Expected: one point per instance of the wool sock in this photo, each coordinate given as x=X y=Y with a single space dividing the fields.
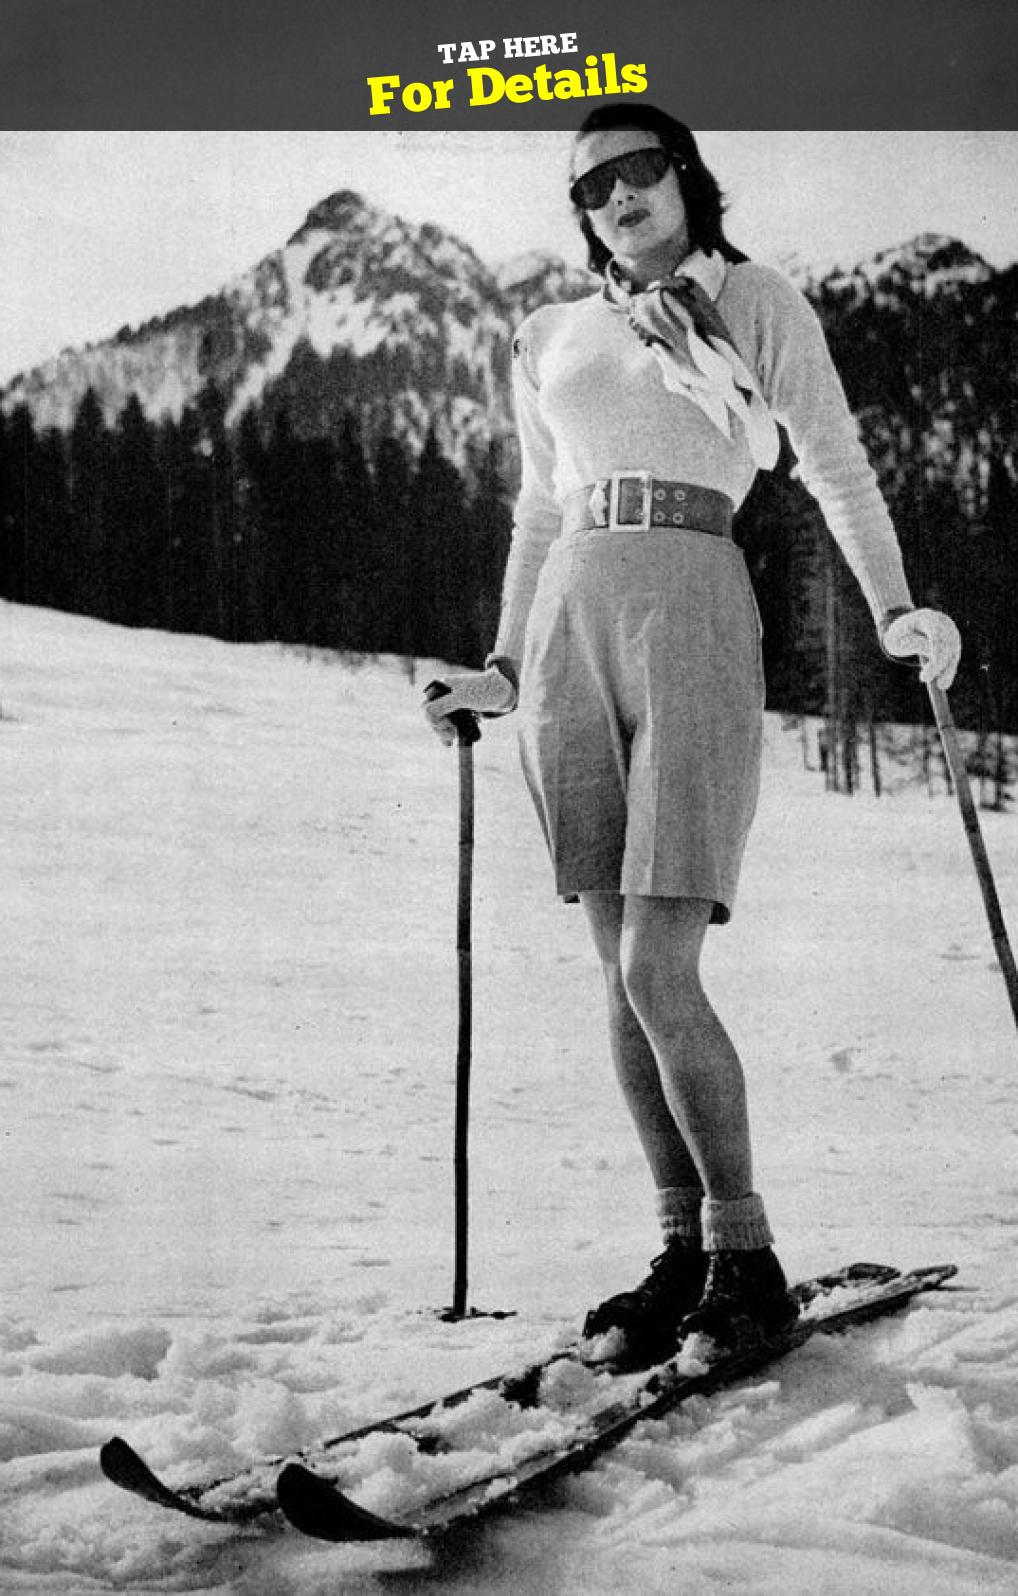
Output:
x=678 y=1209
x=739 y=1225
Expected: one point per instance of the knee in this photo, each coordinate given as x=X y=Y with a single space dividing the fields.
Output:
x=615 y=985
x=660 y=985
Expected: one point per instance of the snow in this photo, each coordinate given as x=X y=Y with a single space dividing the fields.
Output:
x=228 y=1029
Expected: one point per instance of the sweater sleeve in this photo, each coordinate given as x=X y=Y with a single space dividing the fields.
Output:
x=537 y=517
x=805 y=393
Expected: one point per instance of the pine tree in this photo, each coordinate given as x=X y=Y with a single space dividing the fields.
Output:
x=135 y=520
x=286 y=581
x=219 y=516
x=17 y=452
x=780 y=530
x=352 y=544
x=994 y=626
x=48 y=580
x=396 y=553
x=89 y=495
x=250 y=537
x=489 y=518
x=441 y=536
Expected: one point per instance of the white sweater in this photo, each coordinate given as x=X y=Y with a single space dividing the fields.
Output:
x=590 y=399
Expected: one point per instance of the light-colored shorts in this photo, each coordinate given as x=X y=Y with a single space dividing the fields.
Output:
x=641 y=713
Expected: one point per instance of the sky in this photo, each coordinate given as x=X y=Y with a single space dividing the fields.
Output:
x=106 y=228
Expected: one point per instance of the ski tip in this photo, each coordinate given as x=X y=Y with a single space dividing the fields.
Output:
x=934 y=1275
x=316 y=1507
x=874 y=1275
x=117 y=1459
x=127 y=1469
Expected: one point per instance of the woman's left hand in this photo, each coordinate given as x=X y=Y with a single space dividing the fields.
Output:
x=933 y=636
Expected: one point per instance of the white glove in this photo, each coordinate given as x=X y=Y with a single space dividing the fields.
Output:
x=487 y=692
x=933 y=636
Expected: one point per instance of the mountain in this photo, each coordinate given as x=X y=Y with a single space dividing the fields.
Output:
x=359 y=309
x=928 y=265
x=925 y=338
x=233 y=522
x=407 y=327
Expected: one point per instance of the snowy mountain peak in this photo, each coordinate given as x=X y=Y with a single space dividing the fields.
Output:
x=340 y=212
x=934 y=256
x=931 y=263
x=406 y=324
x=401 y=323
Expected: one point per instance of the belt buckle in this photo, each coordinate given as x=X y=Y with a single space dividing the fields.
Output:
x=620 y=486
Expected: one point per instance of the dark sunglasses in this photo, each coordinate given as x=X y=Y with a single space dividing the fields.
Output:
x=638 y=169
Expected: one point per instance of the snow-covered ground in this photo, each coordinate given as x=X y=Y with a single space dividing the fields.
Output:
x=228 y=1018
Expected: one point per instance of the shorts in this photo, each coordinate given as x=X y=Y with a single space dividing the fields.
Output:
x=641 y=713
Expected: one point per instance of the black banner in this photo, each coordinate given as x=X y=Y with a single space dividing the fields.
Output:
x=538 y=64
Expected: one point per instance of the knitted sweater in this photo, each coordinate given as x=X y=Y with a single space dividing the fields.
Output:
x=590 y=399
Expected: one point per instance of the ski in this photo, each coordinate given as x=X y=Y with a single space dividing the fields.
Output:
x=250 y=1493
x=315 y=1505
x=246 y=1495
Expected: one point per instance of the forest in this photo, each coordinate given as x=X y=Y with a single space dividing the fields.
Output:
x=252 y=535
x=271 y=530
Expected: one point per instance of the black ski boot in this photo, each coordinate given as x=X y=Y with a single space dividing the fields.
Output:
x=642 y=1325
x=745 y=1301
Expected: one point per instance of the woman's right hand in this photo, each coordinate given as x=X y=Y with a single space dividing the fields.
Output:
x=487 y=692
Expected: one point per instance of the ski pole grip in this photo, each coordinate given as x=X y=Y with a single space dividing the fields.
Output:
x=464 y=720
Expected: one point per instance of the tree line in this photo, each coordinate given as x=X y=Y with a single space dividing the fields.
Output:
x=255 y=533
x=267 y=530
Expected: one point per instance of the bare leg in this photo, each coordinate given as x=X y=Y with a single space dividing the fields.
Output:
x=671 y=1163
x=679 y=1072
x=684 y=1085
x=700 y=1074
x=686 y=1091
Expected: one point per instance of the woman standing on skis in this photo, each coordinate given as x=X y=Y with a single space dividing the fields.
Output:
x=630 y=638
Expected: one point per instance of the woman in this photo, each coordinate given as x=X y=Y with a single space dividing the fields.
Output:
x=630 y=637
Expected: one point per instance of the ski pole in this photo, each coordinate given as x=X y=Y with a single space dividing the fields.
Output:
x=467 y=733
x=966 y=802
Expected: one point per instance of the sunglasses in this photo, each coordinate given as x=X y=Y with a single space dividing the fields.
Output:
x=638 y=169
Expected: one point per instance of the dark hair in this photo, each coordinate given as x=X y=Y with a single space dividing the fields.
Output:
x=701 y=194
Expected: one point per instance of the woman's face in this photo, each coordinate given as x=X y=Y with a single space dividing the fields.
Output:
x=640 y=226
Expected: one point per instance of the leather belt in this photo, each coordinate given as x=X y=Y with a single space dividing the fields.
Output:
x=634 y=501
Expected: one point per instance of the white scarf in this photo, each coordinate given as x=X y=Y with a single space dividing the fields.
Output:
x=676 y=317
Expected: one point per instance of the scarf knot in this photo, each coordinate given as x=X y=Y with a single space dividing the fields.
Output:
x=677 y=319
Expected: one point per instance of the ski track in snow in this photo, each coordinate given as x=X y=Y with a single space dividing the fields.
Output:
x=228 y=1033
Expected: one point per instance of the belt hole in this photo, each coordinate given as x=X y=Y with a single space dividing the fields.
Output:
x=680 y=494
x=678 y=518
x=659 y=493
x=659 y=516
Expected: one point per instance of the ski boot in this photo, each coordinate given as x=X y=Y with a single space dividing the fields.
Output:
x=638 y=1328
x=745 y=1302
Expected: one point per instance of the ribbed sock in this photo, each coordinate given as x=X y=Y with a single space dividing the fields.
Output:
x=678 y=1209
x=739 y=1225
